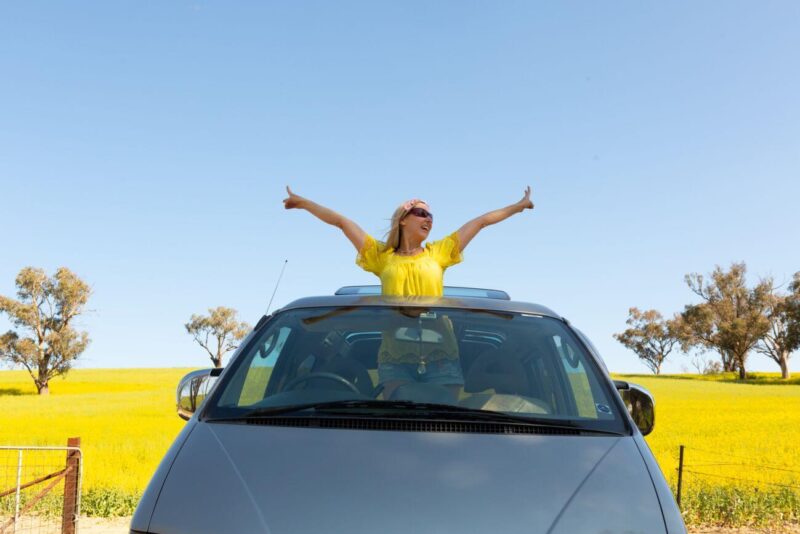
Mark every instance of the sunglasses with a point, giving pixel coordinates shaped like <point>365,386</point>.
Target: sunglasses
<point>420,212</point>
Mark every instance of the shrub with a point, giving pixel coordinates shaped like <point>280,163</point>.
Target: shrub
<point>108,502</point>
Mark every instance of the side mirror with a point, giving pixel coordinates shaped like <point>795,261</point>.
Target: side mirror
<point>193,389</point>
<point>640,405</point>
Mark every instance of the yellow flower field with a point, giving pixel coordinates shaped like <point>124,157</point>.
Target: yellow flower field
<point>743,435</point>
<point>124,417</point>
<point>748,431</point>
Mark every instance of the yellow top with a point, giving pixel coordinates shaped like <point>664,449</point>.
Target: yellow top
<point>420,275</point>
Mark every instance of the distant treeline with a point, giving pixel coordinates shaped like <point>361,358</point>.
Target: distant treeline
<point>731,321</point>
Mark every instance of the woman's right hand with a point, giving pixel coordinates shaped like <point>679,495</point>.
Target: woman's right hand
<point>354,233</point>
<point>293,201</point>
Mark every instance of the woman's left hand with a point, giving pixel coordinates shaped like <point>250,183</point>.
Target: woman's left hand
<point>526,200</point>
<point>292,201</point>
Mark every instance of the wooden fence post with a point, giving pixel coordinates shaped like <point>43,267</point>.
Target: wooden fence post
<point>69,517</point>
<point>680,477</point>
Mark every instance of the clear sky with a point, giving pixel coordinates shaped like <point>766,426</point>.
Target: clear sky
<point>146,146</point>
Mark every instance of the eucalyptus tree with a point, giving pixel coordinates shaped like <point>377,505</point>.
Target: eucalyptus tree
<point>783,336</point>
<point>731,319</point>
<point>218,333</point>
<point>650,337</point>
<point>44,341</point>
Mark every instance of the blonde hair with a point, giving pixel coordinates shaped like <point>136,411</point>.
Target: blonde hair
<point>393,236</point>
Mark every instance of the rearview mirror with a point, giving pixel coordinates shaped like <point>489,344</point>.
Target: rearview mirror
<point>640,405</point>
<point>193,390</point>
<point>424,335</point>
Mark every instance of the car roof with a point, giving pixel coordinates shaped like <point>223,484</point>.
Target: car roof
<point>468,303</point>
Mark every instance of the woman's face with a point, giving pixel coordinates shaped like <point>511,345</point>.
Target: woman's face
<point>416,226</point>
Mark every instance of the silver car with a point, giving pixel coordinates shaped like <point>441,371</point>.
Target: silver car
<point>297,434</point>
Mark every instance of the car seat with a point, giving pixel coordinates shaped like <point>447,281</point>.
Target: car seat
<point>497,370</point>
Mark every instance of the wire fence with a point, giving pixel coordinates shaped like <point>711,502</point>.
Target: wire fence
<point>736,470</point>
<point>40,489</point>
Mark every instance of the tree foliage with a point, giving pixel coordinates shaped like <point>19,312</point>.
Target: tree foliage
<point>650,337</point>
<point>783,336</point>
<point>219,332</point>
<point>731,319</point>
<point>44,342</point>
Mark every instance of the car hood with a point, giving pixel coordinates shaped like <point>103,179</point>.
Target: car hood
<point>251,479</point>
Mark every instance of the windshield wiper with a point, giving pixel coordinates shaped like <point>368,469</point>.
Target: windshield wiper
<point>401,408</point>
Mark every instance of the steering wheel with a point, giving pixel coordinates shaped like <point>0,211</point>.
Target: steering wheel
<point>325,376</point>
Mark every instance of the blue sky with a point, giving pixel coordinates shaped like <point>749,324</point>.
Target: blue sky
<point>146,146</point>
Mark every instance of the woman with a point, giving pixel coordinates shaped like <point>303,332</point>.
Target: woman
<point>406,269</point>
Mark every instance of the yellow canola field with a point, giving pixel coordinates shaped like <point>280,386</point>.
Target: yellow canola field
<point>126,419</point>
<point>735,434</point>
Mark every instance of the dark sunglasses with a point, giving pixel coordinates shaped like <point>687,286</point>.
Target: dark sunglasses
<point>420,212</point>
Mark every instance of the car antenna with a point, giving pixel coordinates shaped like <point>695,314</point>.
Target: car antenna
<point>276,285</point>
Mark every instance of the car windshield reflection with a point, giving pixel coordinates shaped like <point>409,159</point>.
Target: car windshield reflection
<point>405,356</point>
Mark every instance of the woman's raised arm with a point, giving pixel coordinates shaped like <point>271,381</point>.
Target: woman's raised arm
<point>471,229</point>
<point>354,233</point>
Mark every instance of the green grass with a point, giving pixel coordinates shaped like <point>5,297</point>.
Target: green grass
<point>753,379</point>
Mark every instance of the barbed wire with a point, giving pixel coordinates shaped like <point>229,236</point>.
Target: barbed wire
<point>749,480</point>
<point>756,462</point>
<point>685,464</point>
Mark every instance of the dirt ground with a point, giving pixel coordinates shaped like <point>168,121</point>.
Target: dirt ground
<point>98,525</point>
<point>786,529</point>
<point>86,525</point>
<point>119,525</point>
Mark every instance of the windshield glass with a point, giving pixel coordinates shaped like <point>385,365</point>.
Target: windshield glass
<point>519,364</point>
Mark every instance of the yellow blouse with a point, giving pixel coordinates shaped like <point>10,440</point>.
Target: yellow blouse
<point>406,276</point>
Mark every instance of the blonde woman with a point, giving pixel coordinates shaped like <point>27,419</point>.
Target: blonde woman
<point>408,268</point>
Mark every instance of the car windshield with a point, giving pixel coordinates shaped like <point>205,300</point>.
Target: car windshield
<point>374,360</point>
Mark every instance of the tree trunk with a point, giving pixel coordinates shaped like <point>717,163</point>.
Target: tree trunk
<point>784,363</point>
<point>742,373</point>
<point>728,362</point>
<point>42,380</point>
